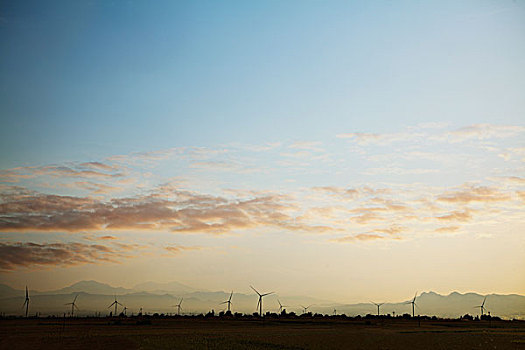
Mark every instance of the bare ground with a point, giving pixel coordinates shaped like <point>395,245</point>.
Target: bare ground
<point>256,334</point>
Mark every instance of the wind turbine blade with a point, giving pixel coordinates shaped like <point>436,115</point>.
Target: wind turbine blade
<point>224,302</point>
<point>267,294</point>
<point>76,296</point>
<point>230,298</point>
<point>255,290</point>
<point>484,301</point>
<point>76,307</point>
<point>258,303</point>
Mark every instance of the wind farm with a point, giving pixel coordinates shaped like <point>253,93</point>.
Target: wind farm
<point>196,174</point>
<point>316,325</point>
<point>141,324</point>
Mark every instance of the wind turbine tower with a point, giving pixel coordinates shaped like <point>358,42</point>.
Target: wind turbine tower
<point>482,306</point>
<point>229,301</point>
<point>116,303</point>
<point>281,306</point>
<point>26,302</point>
<point>413,302</point>
<point>378,305</point>
<point>259,303</point>
<point>178,306</point>
<point>305,308</point>
<point>73,305</point>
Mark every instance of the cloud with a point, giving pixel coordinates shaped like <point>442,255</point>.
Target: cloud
<point>307,145</point>
<point>398,171</point>
<point>392,230</point>
<point>176,211</point>
<point>464,215</point>
<point>98,165</point>
<point>177,249</point>
<point>475,194</point>
<point>430,131</point>
<point>363,138</point>
<point>83,170</point>
<point>363,237</point>
<point>34,255</point>
<point>483,132</point>
<point>97,188</point>
<point>447,229</point>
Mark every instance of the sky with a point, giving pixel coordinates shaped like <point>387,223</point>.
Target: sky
<point>345,150</point>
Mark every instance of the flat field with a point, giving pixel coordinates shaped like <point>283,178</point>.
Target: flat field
<point>188,333</point>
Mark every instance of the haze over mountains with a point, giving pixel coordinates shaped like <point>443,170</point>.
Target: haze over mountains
<point>95,297</point>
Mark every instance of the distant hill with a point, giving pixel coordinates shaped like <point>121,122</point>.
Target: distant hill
<point>95,297</point>
<point>6,291</point>
<point>160,288</point>
<point>92,287</point>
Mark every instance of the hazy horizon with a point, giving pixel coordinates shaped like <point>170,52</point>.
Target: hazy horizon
<point>92,297</point>
<point>351,151</point>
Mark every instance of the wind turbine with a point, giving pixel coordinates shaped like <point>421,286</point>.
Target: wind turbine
<point>413,302</point>
<point>482,306</point>
<point>73,305</point>
<point>281,306</point>
<point>306,308</point>
<point>229,301</point>
<point>178,306</point>
<point>259,303</point>
<point>378,305</point>
<point>26,302</point>
<point>116,303</point>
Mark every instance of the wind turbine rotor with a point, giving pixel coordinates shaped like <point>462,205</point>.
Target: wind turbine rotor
<point>255,290</point>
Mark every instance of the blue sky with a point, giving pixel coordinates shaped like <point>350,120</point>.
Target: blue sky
<point>195,136</point>
<point>85,79</point>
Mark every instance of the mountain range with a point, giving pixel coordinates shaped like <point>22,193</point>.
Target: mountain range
<point>95,297</point>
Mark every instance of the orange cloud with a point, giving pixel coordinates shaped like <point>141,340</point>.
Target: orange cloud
<point>33,255</point>
<point>456,216</point>
<point>181,211</point>
<point>475,194</point>
<point>447,229</point>
<point>362,237</point>
<point>176,249</point>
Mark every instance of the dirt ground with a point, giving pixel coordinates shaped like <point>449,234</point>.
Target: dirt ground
<point>256,334</point>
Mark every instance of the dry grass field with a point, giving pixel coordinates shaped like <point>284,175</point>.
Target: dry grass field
<point>255,334</point>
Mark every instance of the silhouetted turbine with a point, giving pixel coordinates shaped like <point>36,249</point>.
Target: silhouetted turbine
<point>281,306</point>
<point>482,306</point>
<point>178,306</point>
<point>259,303</point>
<point>116,303</point>
<point>306,308</point>
<point>26,302</point>
<point>73,305</point>
<point>378,305</point>
<point>413,302</point>
<point>229,301</point>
